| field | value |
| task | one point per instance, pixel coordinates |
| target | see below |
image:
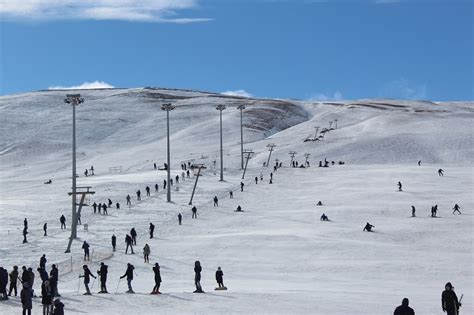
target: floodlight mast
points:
(241, 108)
(270, 147)
(248, 154)
(168, 107)
(220, 108)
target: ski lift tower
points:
(306, 156)
(168, 107)
(83, 192)
(336, 122)
(241, 108)
(292, 154)
(270, 147)
(199, 167)
(248, 155)
(220, 108)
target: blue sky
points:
(304, 49)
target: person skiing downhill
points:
(139, 193)
(102, 272)
(440, 172)
(242, 186)
(25, 232)
(156, 187)
(129, 275)
(87, 274)
(399, 186)
(197, 277)
(456, 208)
(156, 271)
(449, 301)
(368, 227)
(256, 180)
(404, 309)
(231, 194)
(128, 200)
(219, 278)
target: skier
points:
(419, 163)
(102, 272)
(129, 275)
(46, 297)
(194, 210)
(231, 194)
(114, 242)
(368, 227)
(99, 207)
(180, 218)
(219, 279)
(449, 300)
(404, 309)
(138, 195)
(87, 274)
(13, 280)
(434, 211)
(109, 203)
(117, 206)
(171, 181)
(129, 242)
(86, 172)
(456, 208)
(146, 253)
(45, 229)
(58, 307)
(104, 208)
(256, 180)
(53, 280)
(133, 234)
(156, 187)
(147, 188)
(26, 295)
(43, 261)
(413, 210)
(177, 179)
(197, 277)
(216, 202)
(62, 219)
(156, 288)
(164, 183)
(324, 217)
(152, 229)
(440, 172)
(242, 186)
(25, 232)
(399, 186)
(3, 283)
(128, 200)
(85, 247)
(92, 169)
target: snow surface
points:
(277, 257)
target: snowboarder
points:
(156, 187)
(404, 309)
(197, 277)
(449, 300)
(216, 202)
(43, 261)
(146, 253)
(256, 180)
(85, 247)
(194, 210)
(368, 227)
(138, 195)
(13, 280)
(114, 242)
(456, 208)
(413, 210)
(242, 186)
(53, 280)
(58, 307)
(239, 209)
(26, 295)
(128, 200)
(62, 219)
(231, 194)
(129, 242)
(45, 229)
(156, 271)
(102, 272)
(180, 218)
(440, 172)
(152, 229)
(87, 274)
(25, 232)
(399, 186)
(133, 234)
(219, 279)
(147, 188)
(129, 275)
(324, 217)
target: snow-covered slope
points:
(277, 256)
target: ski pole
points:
(116, 290)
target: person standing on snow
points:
(449, 300)
(102, 272)
(114, 242)
(456, 208)
(219, 277)
(129, 242)
(85, 247)
(156, 271)
(180, 218)
(152, 229)
(62, 219)
(146, 253)
(216, 201)
(399, 186)
(133, 234)
(129, 275)
(87, 274)
(197, 277)
(404, 309)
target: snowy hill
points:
(277, 256)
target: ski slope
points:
(277, 256)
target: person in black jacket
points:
(46, 297)
(58, 307)
(114, 241)
(3, 283)
(133, 234)
(26, 295)
(87, 274)
(13, 281)
(449, 300)
(43, 274)
(129, 275)
(216, 202)
(62, 219)
(404, 309)
(152, 229)
(219, 277)
(53, 280)
(194, 210)
(43, 261)
(197, 277)
(156, 288)
(85, 247)
(129, 242)
(368, 227)
(180, 218)
(102, 272)
(45, 229)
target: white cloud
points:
(336, 96)
(84, 86)
(242, 93)
(405, 89)
(125, 10)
